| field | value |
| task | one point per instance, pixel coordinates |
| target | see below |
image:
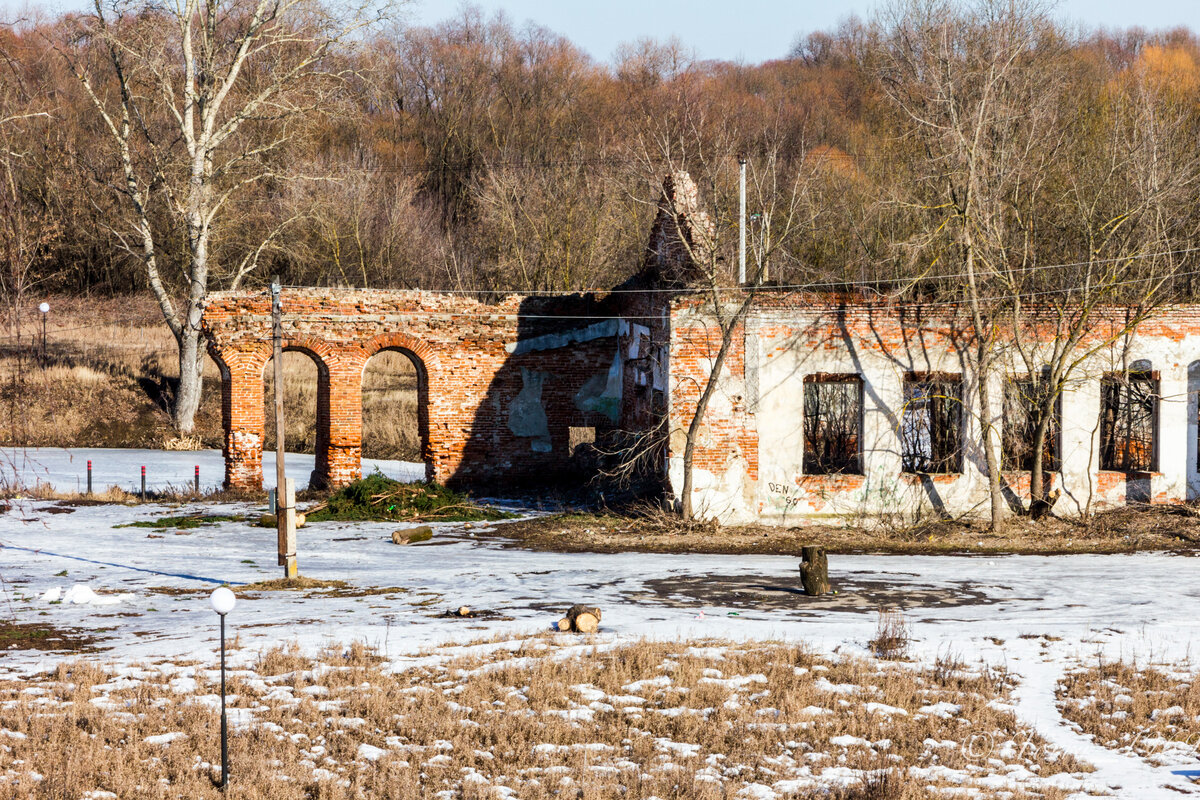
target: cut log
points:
(464, 611)
(563, 624)
(814, 571)
(586, 623)
(584, 619)
(576, 610)
(412, 535)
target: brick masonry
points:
(748, 460)
(500, 385)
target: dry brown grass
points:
(390, 408)
(537, 718)
(110, 366)
(1150, 711)
(1123, 530)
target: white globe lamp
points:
(223, 600)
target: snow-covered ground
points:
(66, 469)
(143, 592)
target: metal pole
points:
(197, 479)
(89, 476)
(44, 339)
(224, 724)
(143, 482)
(280, 472)
(741, 220)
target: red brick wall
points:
(468, 379)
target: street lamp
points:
(223, 602)
(45, 309)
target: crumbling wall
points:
(502, 384)
(749, 456)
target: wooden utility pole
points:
(285, 490)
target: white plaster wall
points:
(783, 495)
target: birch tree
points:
(198, 99)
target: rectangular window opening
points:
(1129, 422)
(1022, 398)
(931, 425)
(832, 424)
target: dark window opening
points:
(832, 424)
(931, 426)
(1129, 422)
(1022, 399)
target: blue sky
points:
(756, 30)
(750, 30)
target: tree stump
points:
(814, 571)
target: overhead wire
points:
(778, 286)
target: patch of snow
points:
(165, 738)
(369, 752)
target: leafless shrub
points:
(891, 640)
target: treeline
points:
(481, 154)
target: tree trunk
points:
(1039, 502)
(689, 448)
(995, 493)
(191, 381)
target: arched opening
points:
(303, 376)
(395, 415)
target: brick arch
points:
(422, 357)
(425, 356)
(318, 350)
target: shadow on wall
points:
(560, 386)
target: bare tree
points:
(698, 242)
(198, 98)
(972, 87)
(1129, 177)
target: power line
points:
(686, 291)
(785, 286)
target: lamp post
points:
(45, 309)
(223, 602)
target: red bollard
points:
(197, 479)
(143, 482)
(89, 491)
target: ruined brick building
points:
(825, 406)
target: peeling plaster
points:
(601, 393)
(527, 416)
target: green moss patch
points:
(378, 497)
(188, 521)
